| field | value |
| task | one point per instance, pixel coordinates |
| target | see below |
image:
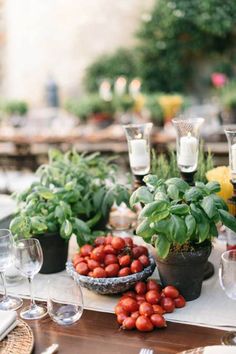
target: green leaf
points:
(179, 209)
(208, 206)
(141, 195)
(21, 226)
(45, 193)
(179, 183)
(193, 194)
(38, 224)
(227, 219)
(66, 229)
(161, 226)
(144, 230)
(196, 212)
(59, 214)
(177, 229)
(152, 181)
(219, 202)
(190, 224)
(213, 187)
(81, 226)
(213, 229)
(173, 192)
(203, 228)
(159, 216)
(162, 246)
(161, 196)
(94, 220)
(156, 206)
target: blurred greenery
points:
(228, 95)
(12, 107)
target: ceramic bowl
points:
(109, 286)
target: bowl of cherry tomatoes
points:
(111, 265)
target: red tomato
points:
(140, 288)
(108, 249)
(86, 250)
(129, 305)
(135, 315)
(158, 309)
(128, 323)
(179, 301)
(121, 317)
(129, 294)
(140, 298)
(99, 241)
(158, 320)
(77, 259)
(152, 296)
(118, 243)
(99, 272)
(136, 266)
(143, 324)
(125, 260)
(119, 309)
(90, 274)
(82, 268)
(112, 270)
(128, 241)
(108, 239)
(168, 304)
(171, 291)
(139, 251)
(110, 259)
(145, 309)
(92, 264)
(123, 272)
(153, 285)
(98, 254)
(144, 260)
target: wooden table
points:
(99, 333)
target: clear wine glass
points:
(6, 257)
(65, 300)
(227, 277)
(28, 260)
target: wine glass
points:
(6, 246)
(65, 300)
(227, 276)
(28, 260)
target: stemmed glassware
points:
(227, 277)
(28, 260)
(6, 255)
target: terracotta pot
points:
(185, 271)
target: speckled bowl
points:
(109, 286)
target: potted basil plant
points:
(180, 222)
(73, 196)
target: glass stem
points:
(4, 285)
(31, 292)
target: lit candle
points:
(139, 156)
(120, 86)
(134, 87)
(233, 157)
(105, 90)
(188, 151)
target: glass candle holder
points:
(231, 137)
(187, 143)
(138, 137)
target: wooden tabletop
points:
(99, 333)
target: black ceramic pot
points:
(55, 252)
(185, 271)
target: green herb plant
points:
(178, 217)
(74, 195)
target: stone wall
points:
(60, 38)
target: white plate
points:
(213, 349)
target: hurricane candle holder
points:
(138, 138)
(231, 137)
(187, 146)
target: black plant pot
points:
(185, 271)
(55, 252)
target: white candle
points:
(233, 157)
(139, 156)
(120, 86)
(105, 90)
(188, 151)
(134, 87)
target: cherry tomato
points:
(139, 251)
(129, 305)
(158, 309)
(153, 285)
(128, 241)
(121, 317)
(135, 315)
(171, 291)
(129, 294)
(152, 296)
(108, 249)
(98, 254)
(123, 272)
(77, 259)
(140, 288)
(99, 272)
(128, 323)
(118, 243)
(119, 309)
(82, 268)
(158, 320)
(136, 266)
(99, 241)
(168, 304)
(179, 301)
(92, 264)
(140, 299)
(110, 259)
(90, 274)
(143, 324)
(125, 260)
(112, 270)
(144, 260)
(145, 309)
(86, 250)
(108, 239)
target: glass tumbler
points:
(65, 300)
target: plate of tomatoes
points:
(111, 265)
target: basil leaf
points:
(179, 209)
(173, 192)
(190, 224)
(228, 219)
(156, 206)
(177, 229)
(213, 186)
(193, 194)
(144, 230)
(179, 183)
(208, 206)
(162, 246)
(142, 195)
